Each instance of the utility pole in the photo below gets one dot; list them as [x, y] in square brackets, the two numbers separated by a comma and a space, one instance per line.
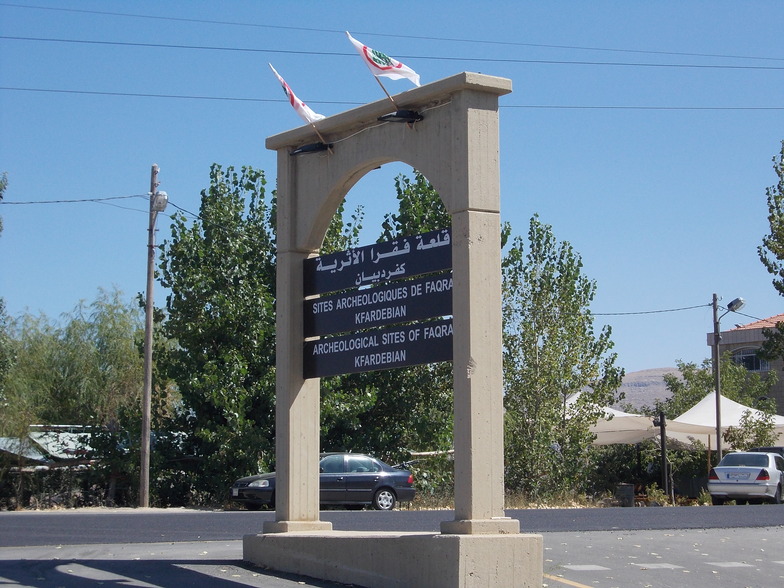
[158, 201]
[717, 372]
[733, 306]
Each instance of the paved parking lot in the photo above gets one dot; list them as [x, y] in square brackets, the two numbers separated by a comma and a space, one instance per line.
[699, 558]
[711, 547]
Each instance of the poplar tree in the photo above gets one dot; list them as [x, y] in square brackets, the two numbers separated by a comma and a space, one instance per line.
[551, 353]
[219, 328]
[771, 254]
[220, 321]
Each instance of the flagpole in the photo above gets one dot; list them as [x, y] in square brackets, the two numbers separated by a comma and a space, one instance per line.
[320, 136]
[323, 140]
[387, 93]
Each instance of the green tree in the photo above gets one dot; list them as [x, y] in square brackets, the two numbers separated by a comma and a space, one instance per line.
[420, 209]
[219, 331]
[551, 353]
[6, 356]
[85, 372]
[771, 254]
[220, 270]
[752, 431]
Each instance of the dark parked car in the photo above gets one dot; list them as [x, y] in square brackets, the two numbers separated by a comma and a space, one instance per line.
[347, 479]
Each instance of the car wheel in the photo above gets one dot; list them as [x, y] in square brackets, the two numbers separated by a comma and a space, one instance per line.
[717, 501]
[777, 496]
[384, 499]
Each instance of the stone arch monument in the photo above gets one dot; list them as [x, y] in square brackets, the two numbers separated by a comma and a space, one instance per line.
[456, 146]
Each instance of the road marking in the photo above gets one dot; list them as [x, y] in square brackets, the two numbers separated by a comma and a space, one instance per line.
[658, 566]
[564, 581]
[729, 564]
[586, 568]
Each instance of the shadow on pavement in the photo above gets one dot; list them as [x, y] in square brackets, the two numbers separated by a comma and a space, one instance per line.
[197, 573]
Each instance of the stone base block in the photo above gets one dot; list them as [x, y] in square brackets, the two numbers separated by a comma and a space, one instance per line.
[496, 526]
[296, 526]
[389, 560]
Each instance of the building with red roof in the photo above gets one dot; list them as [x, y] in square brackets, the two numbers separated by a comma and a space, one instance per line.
[744, 342]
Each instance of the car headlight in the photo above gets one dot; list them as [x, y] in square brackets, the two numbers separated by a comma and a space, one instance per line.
[259, 484]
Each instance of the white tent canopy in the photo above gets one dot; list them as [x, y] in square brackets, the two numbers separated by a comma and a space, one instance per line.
[696, 424]
[617, 426]
[622, 427]
[704, 414]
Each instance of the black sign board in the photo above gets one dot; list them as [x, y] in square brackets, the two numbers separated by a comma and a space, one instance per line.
[388, 304]
[379, 349]
[363, 266]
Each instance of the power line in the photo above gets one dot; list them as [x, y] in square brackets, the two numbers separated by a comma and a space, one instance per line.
[649, 311]
[146, 95]
[391, 35]
[350, 103]
[407, 57]
[181, 209]
[103, 199]
[106, 201]
[756, 318]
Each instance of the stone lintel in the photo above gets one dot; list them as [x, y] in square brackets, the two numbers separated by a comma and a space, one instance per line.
[367, 114]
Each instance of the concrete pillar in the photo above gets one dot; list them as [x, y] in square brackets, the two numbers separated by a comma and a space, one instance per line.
[475, 201]
[297, 400]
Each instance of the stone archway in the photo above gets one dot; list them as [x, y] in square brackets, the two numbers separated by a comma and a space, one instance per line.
[456, 146]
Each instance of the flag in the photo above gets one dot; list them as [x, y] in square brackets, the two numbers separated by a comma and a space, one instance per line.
[383, 65]
[302, 109]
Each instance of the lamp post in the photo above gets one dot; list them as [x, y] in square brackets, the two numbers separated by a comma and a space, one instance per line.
[158, 202]
[661, 422]
[733, 306]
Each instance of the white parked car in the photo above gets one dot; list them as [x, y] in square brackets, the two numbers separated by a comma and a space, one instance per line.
[748, 476]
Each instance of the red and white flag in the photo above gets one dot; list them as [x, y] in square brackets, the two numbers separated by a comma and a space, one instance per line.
[383, 65]
[302, 109]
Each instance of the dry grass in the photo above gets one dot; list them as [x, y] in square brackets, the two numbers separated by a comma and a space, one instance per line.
[511, 501]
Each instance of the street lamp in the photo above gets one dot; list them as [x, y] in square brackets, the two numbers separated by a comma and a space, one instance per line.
[158, 202]
[661, 422]
[733, 306]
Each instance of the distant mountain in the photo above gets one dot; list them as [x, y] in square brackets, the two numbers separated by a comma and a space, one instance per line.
[643, 388]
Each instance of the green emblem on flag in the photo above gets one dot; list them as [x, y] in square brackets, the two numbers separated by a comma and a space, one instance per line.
[380, 59]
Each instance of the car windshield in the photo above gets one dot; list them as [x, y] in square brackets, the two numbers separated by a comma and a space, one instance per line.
[757, 460]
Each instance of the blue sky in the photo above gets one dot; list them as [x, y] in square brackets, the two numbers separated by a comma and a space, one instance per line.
[643, 132]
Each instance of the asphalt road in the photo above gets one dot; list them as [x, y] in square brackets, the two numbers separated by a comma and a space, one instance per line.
[128, 525]
[702, 547]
